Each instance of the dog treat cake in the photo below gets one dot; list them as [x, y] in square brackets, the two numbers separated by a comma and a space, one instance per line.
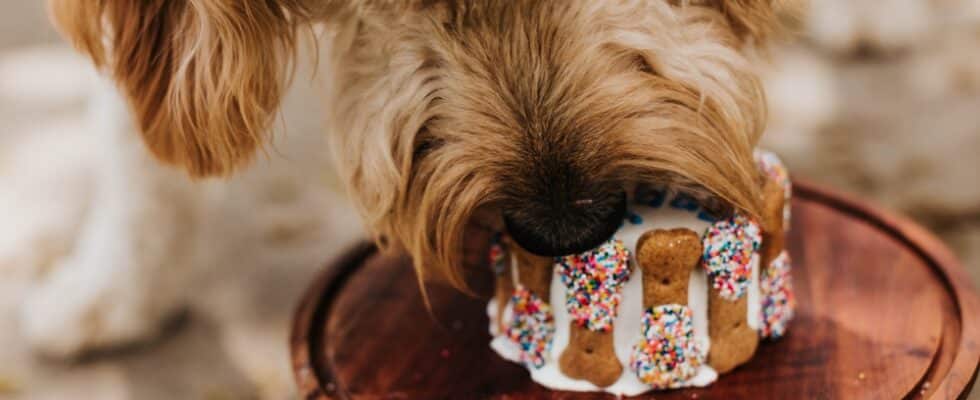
[677, 296]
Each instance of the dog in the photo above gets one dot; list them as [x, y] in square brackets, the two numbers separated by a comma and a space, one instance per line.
[530, 116]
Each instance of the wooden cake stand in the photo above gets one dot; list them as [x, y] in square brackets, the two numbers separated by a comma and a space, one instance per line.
[885, 312]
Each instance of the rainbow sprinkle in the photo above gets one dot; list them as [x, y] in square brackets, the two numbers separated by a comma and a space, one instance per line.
[667, 356]
[532, 327]
[773, 167]
[778, 302]
[594, 280]
[498, 256]
[729, 246]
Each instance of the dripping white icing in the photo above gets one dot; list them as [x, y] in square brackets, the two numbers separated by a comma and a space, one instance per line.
[755, 302]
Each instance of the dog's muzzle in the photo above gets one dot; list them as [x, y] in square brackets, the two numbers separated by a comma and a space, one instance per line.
[565, 227]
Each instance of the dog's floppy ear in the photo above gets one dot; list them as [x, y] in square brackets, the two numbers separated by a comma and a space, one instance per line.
[753, 20]
[203, 77]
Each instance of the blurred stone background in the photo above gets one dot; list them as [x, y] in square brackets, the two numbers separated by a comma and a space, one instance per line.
[276, 232]
[877, 98]
[882, 99]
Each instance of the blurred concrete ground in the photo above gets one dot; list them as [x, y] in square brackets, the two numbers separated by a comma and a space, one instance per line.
[901, 127]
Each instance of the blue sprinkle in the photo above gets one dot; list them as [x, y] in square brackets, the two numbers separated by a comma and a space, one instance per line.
[634, 218]
[707, 217]
[650, 197]
[685, 202]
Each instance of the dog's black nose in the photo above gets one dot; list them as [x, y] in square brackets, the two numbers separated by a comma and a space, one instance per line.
[564, 225]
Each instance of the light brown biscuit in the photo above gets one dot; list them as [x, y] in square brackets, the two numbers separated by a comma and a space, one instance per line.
[534, 272]
[733, 342]
[666, 259]
[773, 235]
[590, 356]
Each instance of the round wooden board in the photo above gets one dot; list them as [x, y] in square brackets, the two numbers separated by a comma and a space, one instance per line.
[885, 312]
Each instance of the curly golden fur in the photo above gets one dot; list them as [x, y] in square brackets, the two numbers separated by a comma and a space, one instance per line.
[443, 108]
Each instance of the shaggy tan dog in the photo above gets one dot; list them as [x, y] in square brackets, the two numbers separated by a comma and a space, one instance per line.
[536, 113]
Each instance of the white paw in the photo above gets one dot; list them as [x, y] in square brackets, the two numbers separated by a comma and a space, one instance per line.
[82, 308]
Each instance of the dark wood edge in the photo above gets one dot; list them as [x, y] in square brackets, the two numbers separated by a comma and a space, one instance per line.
[309, 370]
[962, 373]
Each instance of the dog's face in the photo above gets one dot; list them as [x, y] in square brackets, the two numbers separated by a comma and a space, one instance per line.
[540, 114]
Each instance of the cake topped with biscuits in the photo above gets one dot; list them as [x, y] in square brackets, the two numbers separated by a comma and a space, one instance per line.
[677, 296]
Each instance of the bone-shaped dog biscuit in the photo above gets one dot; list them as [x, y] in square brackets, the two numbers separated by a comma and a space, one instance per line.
[590, 356]
[775, 283]
[666, 259]
[733, 246]
[531, 326]
[733, 342]
[773, 233]
[594, 281]
[667, 355]
[534, 272]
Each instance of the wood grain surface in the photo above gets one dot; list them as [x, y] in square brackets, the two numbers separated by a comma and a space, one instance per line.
[885, 312]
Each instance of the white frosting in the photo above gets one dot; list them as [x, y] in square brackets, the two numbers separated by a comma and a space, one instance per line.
[505, 347]
[492, 316]
[755, 303]
[627, 325]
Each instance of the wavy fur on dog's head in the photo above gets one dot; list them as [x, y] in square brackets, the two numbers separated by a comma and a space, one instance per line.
[445, 107]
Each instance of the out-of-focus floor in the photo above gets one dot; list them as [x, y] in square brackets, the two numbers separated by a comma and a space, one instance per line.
[902, 129]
